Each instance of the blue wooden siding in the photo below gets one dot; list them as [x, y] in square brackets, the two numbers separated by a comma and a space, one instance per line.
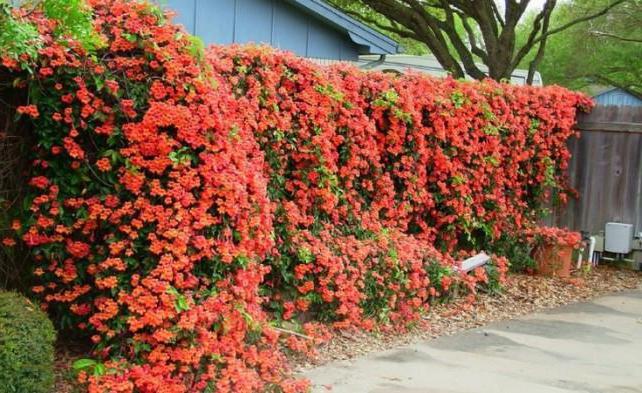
[617, 97]
[273, 22]
[213, 22]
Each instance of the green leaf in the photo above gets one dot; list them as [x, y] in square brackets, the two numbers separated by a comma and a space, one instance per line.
[83, 364]
[99, 369]
[181, 303]
[130, 37]
[305, 255]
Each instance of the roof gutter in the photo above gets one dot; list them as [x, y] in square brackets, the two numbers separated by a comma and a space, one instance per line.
[360, 33]
[372, 64]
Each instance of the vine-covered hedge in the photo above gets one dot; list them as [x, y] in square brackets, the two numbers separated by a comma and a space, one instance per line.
[352, 154]
[182, 203]
[148, 215]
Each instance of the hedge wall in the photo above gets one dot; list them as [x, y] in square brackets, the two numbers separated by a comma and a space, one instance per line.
[181, 202]
[351, 154]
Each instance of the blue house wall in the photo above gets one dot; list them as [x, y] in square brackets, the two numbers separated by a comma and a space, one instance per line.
[617, 97]
[275, 22]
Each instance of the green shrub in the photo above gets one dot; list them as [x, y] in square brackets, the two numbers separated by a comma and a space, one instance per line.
[517, 249]
[26, 346]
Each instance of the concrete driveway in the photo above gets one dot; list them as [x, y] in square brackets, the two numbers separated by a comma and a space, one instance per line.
[591, 347]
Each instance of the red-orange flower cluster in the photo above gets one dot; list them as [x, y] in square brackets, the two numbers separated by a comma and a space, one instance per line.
[553, 236]
[369, 170]
[175, 199]
[150, 216]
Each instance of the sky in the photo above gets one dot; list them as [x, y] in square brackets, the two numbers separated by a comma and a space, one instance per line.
[533, 5]
[536, 4]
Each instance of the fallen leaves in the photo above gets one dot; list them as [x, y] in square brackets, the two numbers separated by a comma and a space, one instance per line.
[523, 294]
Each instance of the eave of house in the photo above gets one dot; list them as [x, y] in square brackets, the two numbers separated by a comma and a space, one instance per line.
[372, 41]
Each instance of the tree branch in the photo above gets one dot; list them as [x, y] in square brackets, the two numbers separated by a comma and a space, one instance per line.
[490, 31]
[464, 53]
[472, 39]
[530, 42]
[414, 17]
[617, 37]
[602, 12]
[532, 68]
[498, 15]
[614, 83]
[389, 28]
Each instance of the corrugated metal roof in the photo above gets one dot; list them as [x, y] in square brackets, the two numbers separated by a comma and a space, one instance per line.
[617, 97]
[425, 64]
[430, 65]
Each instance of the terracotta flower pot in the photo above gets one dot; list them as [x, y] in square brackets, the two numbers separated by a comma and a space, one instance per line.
[554, 260]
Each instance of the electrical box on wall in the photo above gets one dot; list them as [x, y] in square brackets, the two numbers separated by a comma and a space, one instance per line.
[618, 238]
[599, 243]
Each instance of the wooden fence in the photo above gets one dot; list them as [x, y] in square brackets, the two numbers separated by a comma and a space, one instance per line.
[606, 170]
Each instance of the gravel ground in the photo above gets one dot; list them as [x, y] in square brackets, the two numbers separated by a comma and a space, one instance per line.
[523, 294]
[66, 353]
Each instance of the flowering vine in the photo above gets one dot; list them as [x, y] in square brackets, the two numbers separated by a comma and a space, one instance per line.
[180, 203]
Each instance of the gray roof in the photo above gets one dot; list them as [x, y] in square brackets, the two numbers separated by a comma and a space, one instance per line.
[428, 64]
[361, 34]
[615, 96]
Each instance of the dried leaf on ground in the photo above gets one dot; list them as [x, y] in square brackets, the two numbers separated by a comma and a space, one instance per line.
[523, 294]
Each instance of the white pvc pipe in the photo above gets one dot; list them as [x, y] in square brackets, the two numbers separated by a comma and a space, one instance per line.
[592, 250]
[579, 259]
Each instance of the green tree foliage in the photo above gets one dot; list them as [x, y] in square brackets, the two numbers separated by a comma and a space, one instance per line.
[604, 51]
[16, 36]
[73, 18]
[462, 33]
